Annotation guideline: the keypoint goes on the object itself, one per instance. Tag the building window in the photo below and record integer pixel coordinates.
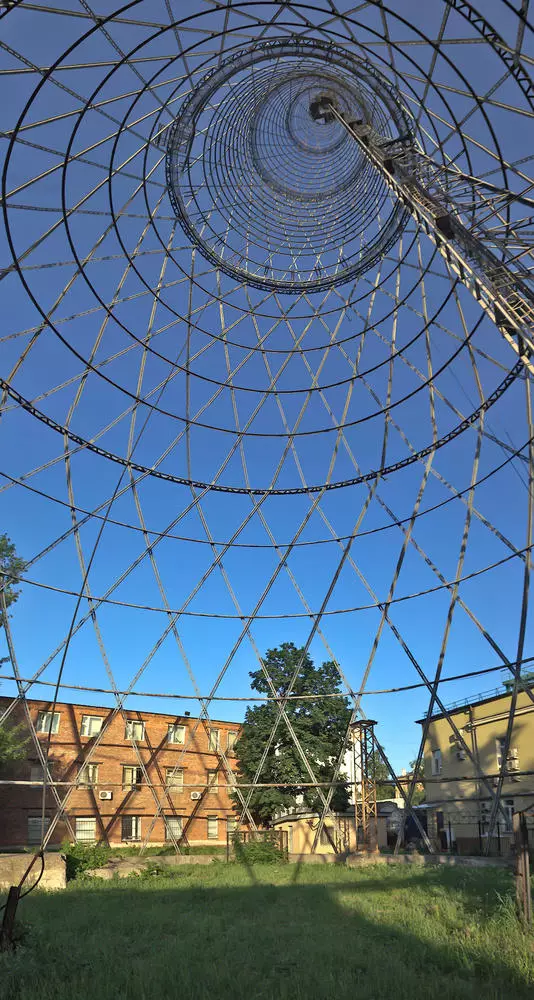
(231, 825)
(85, 829)
(213, 828)
(88, 774)
(37, 772)
(48, 722)
(499, 749)
(326, 838)
(131, 828)
(91, 725)
(173, 827)
(174, 778)
(508, 806)
(230, 741)
(214, 741)
(436, 762)
(134, 730)
(213, 782)
(35, 829)
(176, 734)
(131, 776)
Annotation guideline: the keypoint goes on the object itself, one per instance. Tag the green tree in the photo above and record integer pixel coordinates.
(320, 726)
(419, 793)
(12, 740)
(379, 772)
(11, 568)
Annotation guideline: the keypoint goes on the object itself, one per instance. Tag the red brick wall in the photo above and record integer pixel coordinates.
(68, 750)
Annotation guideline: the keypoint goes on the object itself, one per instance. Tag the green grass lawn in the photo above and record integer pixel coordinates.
(275, 931)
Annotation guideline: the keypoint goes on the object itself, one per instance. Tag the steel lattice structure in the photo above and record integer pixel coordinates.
(254, 385)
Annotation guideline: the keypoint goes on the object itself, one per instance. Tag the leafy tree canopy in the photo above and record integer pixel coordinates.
(12, 740)
(319, 724)
(379, 772)
(11, 566)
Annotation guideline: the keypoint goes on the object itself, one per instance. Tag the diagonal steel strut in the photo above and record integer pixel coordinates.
(503, 291)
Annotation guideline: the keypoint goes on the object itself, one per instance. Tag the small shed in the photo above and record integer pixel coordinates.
(338, 835)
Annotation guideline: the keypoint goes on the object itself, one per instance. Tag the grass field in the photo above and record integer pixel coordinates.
(275, 931)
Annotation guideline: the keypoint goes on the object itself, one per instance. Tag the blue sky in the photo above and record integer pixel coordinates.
(218, 340)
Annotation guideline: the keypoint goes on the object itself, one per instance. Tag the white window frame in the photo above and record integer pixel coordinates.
(210, 821)
(174, 821)
(437, 762)
(91, 821)
(88, 774)
(130, 729)
(172, 731)
(212, 781)
(231, 825)
(174, 778)
(499, 746)
(231, 738)
(214, 740)
(48, 722)
(86, 725)
(137, 778)
(136, 829)
(36, 824)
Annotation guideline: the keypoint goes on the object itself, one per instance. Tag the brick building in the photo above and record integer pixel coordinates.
(127, 777)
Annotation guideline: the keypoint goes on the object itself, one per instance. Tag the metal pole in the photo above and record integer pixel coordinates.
(522, 868)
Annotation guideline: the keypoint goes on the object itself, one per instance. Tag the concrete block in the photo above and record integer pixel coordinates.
(13, 866)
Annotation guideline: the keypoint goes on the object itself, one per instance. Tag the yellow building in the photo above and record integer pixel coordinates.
(459, 803)
(337, 835)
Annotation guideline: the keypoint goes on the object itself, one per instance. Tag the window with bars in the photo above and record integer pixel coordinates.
(174, 778)
(132, 776)
(131, 828)
(85, 829)
(173, 827)
(88, 774)
(213, 828)
(176, 733)
(91, 725)
(231, 825)
(214, 740)
(134, 730)
(230, 741)
(35, 828)
(213, 782)
(48, 722)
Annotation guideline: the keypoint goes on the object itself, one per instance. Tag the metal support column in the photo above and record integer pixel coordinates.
(365, 808)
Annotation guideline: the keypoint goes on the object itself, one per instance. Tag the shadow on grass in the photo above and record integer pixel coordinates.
(374, 935)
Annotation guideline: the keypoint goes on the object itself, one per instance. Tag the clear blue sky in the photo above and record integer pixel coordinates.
(50, 374)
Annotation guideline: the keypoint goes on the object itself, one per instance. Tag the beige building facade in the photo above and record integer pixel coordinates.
(458, 801)
(337, 836)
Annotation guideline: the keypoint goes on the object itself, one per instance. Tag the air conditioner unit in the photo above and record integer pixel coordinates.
(461, 754)
(196, 796)
(105, 795)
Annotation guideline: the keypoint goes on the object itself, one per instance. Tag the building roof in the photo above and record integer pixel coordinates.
(479, 699)
(138, 713)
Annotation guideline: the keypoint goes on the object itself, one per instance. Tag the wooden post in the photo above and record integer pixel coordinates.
(522, 868)
(8, 923)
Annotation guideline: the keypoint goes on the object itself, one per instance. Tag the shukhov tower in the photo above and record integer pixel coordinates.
(266, 356)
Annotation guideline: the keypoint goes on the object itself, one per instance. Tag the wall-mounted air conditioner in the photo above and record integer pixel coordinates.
(105, 795)
(196, 796)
